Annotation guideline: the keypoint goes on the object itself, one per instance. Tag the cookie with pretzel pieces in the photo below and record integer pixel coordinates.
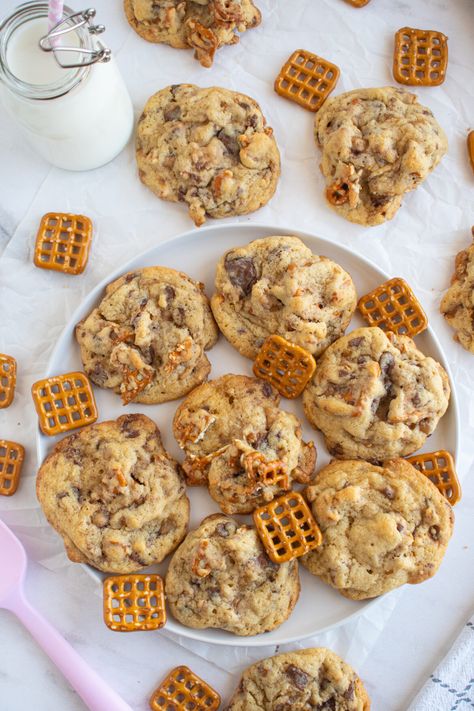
(147, 337)
(115, 495)
(300, 680)
(375, 396)
(383, 526)
(209, 148)
(276, 285)
(221, 577)
(238, 441)
(203, 25)
(377, 144)
(457, 304)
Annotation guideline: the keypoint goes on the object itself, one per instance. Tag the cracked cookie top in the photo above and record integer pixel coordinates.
(209, 148)
(377, 144)
(146, 338)
(298, 681)
(115, 495)
(203, 25)
(382, 527)
(221, 577)
(375, 396)
(234, 435)
(276, 285)
(457, 305)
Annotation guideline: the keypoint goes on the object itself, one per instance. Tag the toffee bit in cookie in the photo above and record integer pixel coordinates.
(393, 306)
(306, 79)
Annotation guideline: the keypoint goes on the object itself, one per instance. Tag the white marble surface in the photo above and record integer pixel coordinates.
(418, 244)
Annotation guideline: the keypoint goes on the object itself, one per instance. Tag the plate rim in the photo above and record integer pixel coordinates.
(173, 626)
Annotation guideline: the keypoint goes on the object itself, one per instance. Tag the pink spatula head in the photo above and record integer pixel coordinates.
(92, 689)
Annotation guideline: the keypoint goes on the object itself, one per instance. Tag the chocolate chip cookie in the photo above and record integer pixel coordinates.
(383, 526)
(276, 285)
(235, 436)
(203, 25)
(375, 396)
(146, 338)
(114, 495)
(221, 577)
(209, 148)
(457, 305)
(377, 145)
(299, 681)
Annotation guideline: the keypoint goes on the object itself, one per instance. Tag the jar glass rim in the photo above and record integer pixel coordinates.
(22, 14)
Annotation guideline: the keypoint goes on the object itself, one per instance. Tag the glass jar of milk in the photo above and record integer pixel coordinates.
(77, 118)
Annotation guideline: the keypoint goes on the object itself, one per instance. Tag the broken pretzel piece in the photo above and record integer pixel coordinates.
(268, 473)
(393, 306)
(11, 462)
(7, 380)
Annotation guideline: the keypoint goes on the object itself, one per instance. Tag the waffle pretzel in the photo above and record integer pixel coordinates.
(64, 402)
(7, 380)
(183, 690)
(306, 79)
(439, 468)
(470, 147)
(63, 242)
(358, 3)
(260, 471)
(11, 462)
(134, 602)
(420, 57)
(287, 367)
(393, 306)
(287, 528)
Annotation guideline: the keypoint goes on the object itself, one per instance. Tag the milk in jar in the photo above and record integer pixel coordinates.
(77, 118)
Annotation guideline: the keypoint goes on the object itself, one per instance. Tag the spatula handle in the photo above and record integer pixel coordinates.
(92, 689)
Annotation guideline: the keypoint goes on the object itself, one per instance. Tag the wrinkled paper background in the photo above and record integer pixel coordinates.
(393, 652)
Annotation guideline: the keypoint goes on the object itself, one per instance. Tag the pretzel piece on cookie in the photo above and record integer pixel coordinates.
(284, 365)
(393, 306)
(287, 528)
(439, 468)
(306, 79)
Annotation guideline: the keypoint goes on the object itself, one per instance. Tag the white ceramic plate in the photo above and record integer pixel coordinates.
(319, 607)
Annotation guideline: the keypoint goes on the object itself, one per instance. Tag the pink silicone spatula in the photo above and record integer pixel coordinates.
(93, 690)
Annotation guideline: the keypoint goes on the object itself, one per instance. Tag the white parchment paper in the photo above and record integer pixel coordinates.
(419, 245)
